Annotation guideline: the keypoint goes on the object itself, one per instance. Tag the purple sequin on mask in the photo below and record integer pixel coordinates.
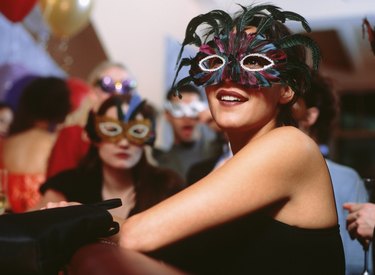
(108, 85)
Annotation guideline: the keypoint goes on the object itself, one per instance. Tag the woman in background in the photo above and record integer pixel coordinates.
(72, 144)
(24, 154)
(116, 165)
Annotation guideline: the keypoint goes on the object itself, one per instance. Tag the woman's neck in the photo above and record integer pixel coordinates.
(42, 125)
(239, 139)
(117, 180)
(119, 184)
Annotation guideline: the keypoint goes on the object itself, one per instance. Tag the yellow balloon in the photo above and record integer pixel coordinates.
(66, 17)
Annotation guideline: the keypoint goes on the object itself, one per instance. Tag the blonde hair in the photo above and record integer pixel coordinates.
(95, 73)
(80, 115)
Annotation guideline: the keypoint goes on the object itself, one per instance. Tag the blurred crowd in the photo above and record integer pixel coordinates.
(65, 139)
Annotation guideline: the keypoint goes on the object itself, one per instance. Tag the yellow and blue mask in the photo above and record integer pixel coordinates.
(108, 129)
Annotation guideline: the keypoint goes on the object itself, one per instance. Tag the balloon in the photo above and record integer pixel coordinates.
(9, 73)
(16, 10)
(66, 17)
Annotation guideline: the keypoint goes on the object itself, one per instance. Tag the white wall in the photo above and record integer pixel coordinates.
(134, 33)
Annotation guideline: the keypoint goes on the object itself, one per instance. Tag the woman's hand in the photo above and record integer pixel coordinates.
(361, 221)
(59, 204)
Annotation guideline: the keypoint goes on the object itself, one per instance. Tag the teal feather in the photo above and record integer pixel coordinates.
(182, 82)
(225, 23)
(293, 69)
(296, 17)
(184, 62)
(248, 14)
(299, 39)
(191, 37)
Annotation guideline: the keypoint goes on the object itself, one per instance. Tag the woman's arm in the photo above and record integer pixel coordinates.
(53, 199)
(49, 196)
(261, 174)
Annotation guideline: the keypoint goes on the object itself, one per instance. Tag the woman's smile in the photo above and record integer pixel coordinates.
(230, 98)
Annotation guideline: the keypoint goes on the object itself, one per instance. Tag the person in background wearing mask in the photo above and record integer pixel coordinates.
(42, 109)
(186, 117)
(116, 165)
(72, 144)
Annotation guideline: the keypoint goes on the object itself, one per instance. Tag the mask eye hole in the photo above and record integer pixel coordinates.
(174, 109)
(139, 131)
(256, 62)
(211, 63)
(110, 129)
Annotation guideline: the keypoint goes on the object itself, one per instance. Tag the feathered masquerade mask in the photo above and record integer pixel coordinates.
(230, 52)
(108, 129)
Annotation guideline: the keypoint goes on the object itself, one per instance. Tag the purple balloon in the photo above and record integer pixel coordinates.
(9, 73)
(13, 95)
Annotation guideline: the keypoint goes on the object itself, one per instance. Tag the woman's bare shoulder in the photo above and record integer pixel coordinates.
(290, 134)
(286, 138)
(283, 147)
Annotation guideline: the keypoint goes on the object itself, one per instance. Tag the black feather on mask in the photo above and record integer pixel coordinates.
(228, 51)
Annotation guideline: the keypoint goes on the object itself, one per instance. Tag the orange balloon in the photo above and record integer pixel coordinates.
(66, 17)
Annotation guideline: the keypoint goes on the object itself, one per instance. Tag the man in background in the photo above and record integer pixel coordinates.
(186, 116)
(316, 113)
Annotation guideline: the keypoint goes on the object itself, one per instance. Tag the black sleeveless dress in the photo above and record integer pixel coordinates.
(258, 244)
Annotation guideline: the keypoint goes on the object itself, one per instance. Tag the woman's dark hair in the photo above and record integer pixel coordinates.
(296, 54)
(322, 96)
(4, 105)
(146, 110)
(44, 99)
(188, 88)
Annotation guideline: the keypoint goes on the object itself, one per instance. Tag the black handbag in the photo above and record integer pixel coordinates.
(43, 241)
